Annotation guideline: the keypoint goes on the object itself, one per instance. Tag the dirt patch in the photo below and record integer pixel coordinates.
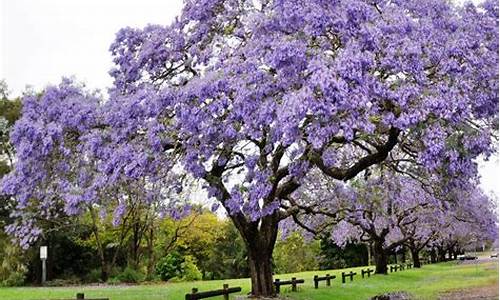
(489, 292)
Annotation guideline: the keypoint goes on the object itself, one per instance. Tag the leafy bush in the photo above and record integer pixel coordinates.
(169, 266)
(189, 270)
(130, 275)
(93, 276)
(14, 279)
(113, 280)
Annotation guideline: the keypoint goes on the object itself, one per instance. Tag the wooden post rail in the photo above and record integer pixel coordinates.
(350, 274)
(367, 271)
(394, 268)
(293, 282)
(326, 278)
(226, 290)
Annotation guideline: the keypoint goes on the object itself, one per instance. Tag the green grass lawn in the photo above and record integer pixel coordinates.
(425, 283)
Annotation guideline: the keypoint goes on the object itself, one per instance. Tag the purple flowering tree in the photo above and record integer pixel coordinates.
(391, 210)
(383, 210)
(464, 224)
(463, 216)
(249, 96)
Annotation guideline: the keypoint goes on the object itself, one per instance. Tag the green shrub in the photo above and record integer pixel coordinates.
(93, 276)
(130, 275)
(113, 280)
(14, 279)
(190, 271)
(169, 266)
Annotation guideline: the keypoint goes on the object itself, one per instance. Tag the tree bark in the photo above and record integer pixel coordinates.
(441, 254)
(433, 255)
(151, 253)
(380, 256)
(369, 247)
(260, 238)
(415, 257)
(261, 274)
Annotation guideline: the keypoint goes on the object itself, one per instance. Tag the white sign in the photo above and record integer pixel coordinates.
(43, 252)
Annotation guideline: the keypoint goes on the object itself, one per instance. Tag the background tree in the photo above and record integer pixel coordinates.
(295, 254)
(12, 263)
(336, 257)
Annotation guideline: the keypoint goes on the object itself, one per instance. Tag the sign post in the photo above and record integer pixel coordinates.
(43, 257)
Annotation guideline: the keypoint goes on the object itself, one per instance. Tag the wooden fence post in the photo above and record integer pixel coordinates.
(315, 281)
(327, 279)
(192, 296)
(80, 296)
(277, 285)
(294, 284)
(226, 294)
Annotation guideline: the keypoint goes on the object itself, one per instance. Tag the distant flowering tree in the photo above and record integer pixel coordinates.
(391, 210)
(465, 224)
(248, 96)
(382, 210)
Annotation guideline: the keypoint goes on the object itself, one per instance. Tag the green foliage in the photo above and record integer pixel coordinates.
(113, 280)
(228, 258)
(12, 267)
(294, 254)
(10, 110)
(189, 270)
(130, 275)
(93, 276)
(199, 239)
(335, 257)
(15, 278)
(169, 266)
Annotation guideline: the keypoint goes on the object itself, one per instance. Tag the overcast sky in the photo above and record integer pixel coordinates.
(41, 41)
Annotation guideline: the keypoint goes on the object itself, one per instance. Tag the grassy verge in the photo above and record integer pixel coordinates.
(425, 283)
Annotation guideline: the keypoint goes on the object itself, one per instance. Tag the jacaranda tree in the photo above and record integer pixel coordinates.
(391, 210)
(247, 96)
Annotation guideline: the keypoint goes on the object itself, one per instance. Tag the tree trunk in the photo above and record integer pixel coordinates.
(380, 256)
(151, 253)
(415, 257)
(441, 254)
(259, 262)
(100, 247)
(369, 254)
(433, 255)
(104, 270)
(260, 237)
